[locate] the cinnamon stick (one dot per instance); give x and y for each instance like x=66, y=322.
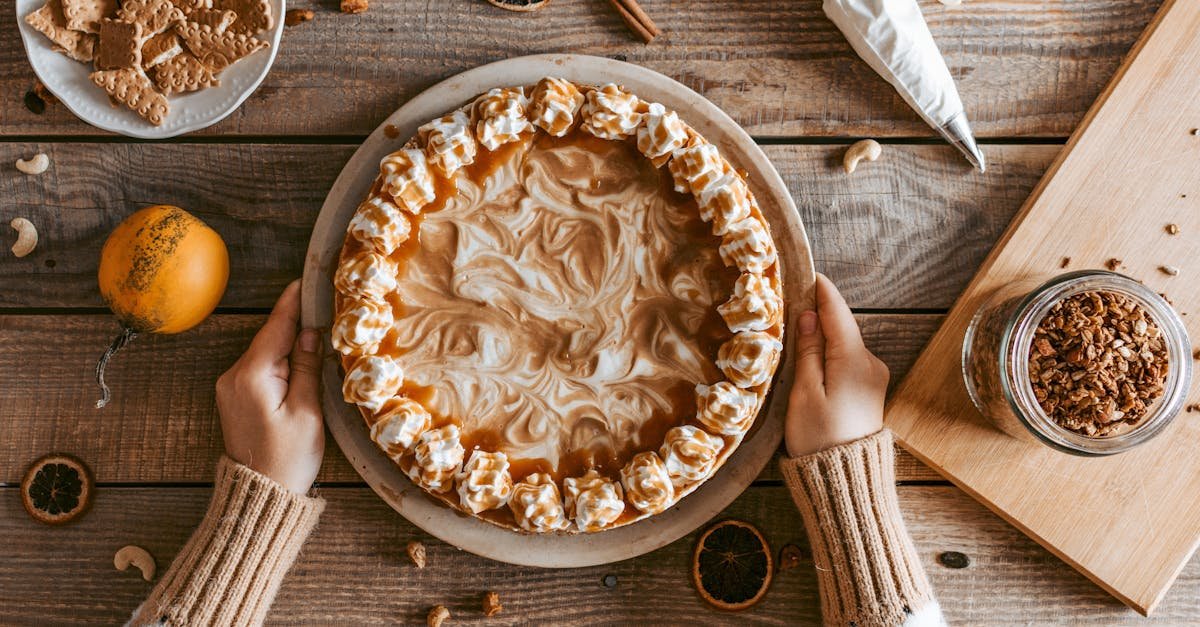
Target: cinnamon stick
x=636, y=19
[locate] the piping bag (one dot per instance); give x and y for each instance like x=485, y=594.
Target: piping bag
x=892, y=37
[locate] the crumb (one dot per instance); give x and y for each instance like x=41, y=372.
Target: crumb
x=1193, y=407
x=1066, y=261
x=491, y=604
x=1169, y=270
x=354, y=6
x=1113, y=264
x=1172, y=229
x=298, y=16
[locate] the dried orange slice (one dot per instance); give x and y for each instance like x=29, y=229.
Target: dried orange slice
x=731, y=567
x=520, y=5
x=57, y=489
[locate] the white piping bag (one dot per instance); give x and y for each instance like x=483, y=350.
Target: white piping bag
x=892, y=37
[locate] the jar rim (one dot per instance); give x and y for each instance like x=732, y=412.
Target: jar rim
x=1016, y=340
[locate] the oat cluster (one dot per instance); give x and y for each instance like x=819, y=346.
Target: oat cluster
x=1098, y=363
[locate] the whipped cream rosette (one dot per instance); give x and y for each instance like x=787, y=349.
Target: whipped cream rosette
x=537, y=505
x=592, y=501
x=398, y=424
x=647, y=483
x=609, y=113
x=501, y=117
x=407, y=180
x=361, y=326
x=551, y=278
x=372, y=380
x=724, y=408
x=750, y=358
x=439, y=455
x=484, y=482
x=690, y=454
x=554, y=105
x=755, y=304
x=370, y=275
x=748, y=245
x=661, y=134
x=449, y=144
x=380, y=224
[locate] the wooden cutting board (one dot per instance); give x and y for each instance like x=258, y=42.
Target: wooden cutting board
x=1129, y=522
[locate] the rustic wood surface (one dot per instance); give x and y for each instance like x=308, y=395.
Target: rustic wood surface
x=354, y=570
x=902, y=237
x=1025, y=67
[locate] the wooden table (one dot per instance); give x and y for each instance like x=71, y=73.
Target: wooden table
x=902, y=236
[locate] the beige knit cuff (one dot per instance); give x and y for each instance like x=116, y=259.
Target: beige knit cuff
x=868, y=570
x=229, y=571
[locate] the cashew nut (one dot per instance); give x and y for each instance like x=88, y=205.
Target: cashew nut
x=868, y=149
x=438, y=615
x=135, y=556
x=26, y=237
x=36, y=165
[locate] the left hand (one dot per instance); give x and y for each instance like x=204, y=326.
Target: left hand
x=270, y=402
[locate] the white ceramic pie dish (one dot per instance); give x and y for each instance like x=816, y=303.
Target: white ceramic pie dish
x=67, y=79
x=476, y=535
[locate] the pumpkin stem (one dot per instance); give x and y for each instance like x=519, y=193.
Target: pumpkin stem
x=127, y=335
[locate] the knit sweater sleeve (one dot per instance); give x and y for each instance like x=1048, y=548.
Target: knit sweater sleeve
x=229, y=571
x=868, y=570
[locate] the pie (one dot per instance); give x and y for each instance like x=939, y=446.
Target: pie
x=559, y=309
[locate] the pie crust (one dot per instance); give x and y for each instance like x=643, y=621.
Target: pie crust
x=559, y=309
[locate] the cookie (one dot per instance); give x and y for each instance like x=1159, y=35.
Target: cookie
x=253, y=16
x=133, y=88
x=216, y=19
x=85, y=15
x=120, y=45
x=217, y=50
x=161, y=47
x=155, y=16
x=183, y=73
x=49, y=21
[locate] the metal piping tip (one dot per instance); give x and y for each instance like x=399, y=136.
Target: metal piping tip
x=957, y=131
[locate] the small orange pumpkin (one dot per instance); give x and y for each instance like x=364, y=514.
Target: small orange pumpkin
x=162, y=270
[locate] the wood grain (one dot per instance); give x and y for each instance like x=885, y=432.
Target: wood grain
x=1024, y=67
x=353, y=570
x=906, y=231
x=162, y=424
x=1129, y=521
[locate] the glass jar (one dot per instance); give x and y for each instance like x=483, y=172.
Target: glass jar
x=995, y=361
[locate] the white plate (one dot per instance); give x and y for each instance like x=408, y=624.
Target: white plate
x=474, y=535
x=67, y=79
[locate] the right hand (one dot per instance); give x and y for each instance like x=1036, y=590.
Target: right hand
x=837, y=396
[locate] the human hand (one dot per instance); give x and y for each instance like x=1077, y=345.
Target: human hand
x=837, y=396
x=269, y=400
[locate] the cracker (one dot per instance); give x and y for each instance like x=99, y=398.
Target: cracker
x=217, y=50
x=120, y=45
x=183, y=73
x=254, y=16
x=133, y=88
x=155, y=16
x=216, y=19
x=85, y=15
x=161, y=47
x=49, y=21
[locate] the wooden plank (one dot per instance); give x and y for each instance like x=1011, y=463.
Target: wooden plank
x=905, y=231
x=162, y=424
x=1104, y=197
x=353, y=570
x=1024, y=67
